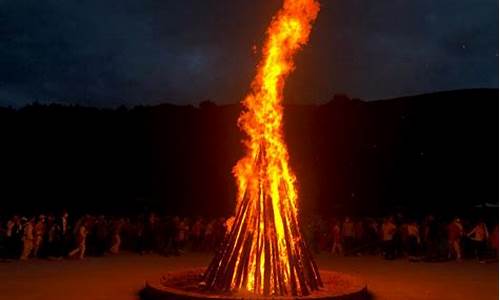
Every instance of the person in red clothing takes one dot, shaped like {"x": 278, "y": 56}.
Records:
{"x": 455, "y": 233}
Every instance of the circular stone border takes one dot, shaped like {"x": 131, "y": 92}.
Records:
{"x": 184, "y": 285}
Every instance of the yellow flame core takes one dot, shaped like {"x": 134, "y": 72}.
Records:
{"x": 271, "y": 242}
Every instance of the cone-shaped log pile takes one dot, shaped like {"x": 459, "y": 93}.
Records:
{"x": 261, "y": 256}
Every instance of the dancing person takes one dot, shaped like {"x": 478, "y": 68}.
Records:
{"x": 27, "y": 239}
{"x": 455, "y": 233}
{"x": 81, "y": 236}
{"x": 66, "y": 234}
{"x": 116, "y": 239}
{"x": 39, "y": 233}
{"x": 479, "y": 236}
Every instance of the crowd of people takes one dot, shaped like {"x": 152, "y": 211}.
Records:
{"x": 56, "y": 237}
{"x": 429, "y": 239}
{"x": 59, "y": 236}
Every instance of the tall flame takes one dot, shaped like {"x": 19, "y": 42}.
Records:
{"x": 263, "y": 114}
{"x": 264, "y": 251}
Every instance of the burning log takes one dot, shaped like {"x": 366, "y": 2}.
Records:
{"x": 252, "y": 256}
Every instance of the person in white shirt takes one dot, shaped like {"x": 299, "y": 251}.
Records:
{"x": 413, "y": 235}
{"x": 388, "y": 231}
{"x": 479, "y": 236}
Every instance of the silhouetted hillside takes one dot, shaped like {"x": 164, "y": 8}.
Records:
{"x": 428, "y": 152}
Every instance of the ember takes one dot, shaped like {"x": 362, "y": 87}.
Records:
{"x": 264, "y": 252}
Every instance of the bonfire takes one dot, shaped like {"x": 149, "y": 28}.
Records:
{"x": 264, "y": 252}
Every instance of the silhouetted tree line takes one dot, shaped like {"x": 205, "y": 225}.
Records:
{"x": 435, "y": 152}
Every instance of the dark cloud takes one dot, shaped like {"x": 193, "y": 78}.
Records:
{"x": 130, "y": 52}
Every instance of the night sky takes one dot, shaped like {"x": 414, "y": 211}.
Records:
{"x": 113, "y": 52}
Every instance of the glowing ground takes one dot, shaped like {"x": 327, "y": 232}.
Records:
{"x": 121, "y": 277}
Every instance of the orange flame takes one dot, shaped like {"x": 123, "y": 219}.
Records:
{"x": 271, "y": 176}
{"x": 263, "y": 251}
{"x": 262, "y": 118}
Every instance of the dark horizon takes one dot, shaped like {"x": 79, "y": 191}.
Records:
{"x": 210, "y": 101}
{"x": 435, "y": 151}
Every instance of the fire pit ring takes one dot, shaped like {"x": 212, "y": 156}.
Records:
{"x": 186, "y": 285}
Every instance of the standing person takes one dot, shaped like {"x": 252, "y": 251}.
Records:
{"x": 39, "y": 233}
{"x": 54, "y": 248}
{"x": 14, "y": 237}
{"x": 309, "y": 235}
{"x": 348, "y": 235}
{"x": 360, "y": 235}
{"x": 101, "y": 235}
{"x": 27, "y": 239}
{"x": 196, "y": 234}
{"x": 388, "y": 231}
{"x": 3, "y": 241}
{"x": 182, "y": 232}
{"x": 208, "y": 239}
{"x": 10, "y": 237}
{"x": 337, "y": 240}
{"x": 171, "y": 236}
{"x": 431, "y": 238}
{"x": 321, "y": 235}
{"x": 455, "y": 233}
{"x": 220, "y": 231}
{"x": 413, "y": 238}
{"x": 479, "y": 236}
{"x": 81, "y": 236}
{"x": 148, "y": 234}
{"x": 373, "y": 236}
{"x": 494, "y": 240}
{"x": 116, "y": 239}
{"x": 65, "y": 233}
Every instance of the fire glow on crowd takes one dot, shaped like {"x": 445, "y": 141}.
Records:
{"x": 264, "y": 252}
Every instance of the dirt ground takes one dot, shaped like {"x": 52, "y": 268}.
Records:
{"x": 121, "y": 277}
